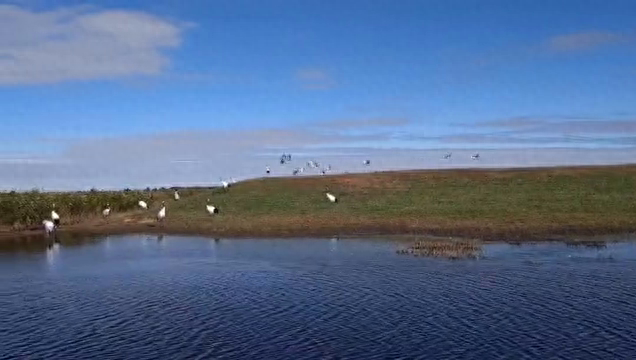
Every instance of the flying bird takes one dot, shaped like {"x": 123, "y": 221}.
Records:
{"x": 448, "y": 155}
{"x": 267, "y": 170}
{"x": 367, "y": 162}
{"x": 475, "y": 156}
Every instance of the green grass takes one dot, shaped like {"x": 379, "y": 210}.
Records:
{"x": 488, "y": 203}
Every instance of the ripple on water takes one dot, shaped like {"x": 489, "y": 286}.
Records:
{"x": 309, "y": 299}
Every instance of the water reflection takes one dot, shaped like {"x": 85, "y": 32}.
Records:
{"x": 52, "y": 250}
{"x": 42, "y": 243}
{"x": 333, "y": 243}
{"x": 315, "y": 299}
{"x": 587, "y": 244}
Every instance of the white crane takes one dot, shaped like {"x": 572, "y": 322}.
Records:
{"x": 331, "y": 197}
{"x": 106, "y": 211}
{"x": 475, "y": 156}
{"x": 162, "y": 212}
{"x": 211, "y": 209}
{"x": 143, "y": 204}
{"x": 55, "y": 217}
{"x": 367, "y": 162}
{"x": 448, "y": 155}
{"x": 224, "y": 183}
{"x": 176, "y": 195}
{"x": 267, "y": 170}
{"x": 49, "y": 227}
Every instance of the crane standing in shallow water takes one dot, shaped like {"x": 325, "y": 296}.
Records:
{"x": 49, "y": 227}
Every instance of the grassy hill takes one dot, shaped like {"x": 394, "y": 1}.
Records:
{"x": 491, "y": 204}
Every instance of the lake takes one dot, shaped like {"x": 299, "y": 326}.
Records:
{"x": 172, "y": 297}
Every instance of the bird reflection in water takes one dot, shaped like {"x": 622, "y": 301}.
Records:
{"x": 52, "y": 249}
{"x": 334, "y": 243}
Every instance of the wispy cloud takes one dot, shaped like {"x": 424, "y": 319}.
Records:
{"x": 536, "y": 140}
{"x": 584, "y": 41}
{"x": 565, "y": 125}
{"x": 82, "y": 43}
{"x": 176, "y": 146}
{"x": 518, "y": 122}
{"x": 342, "y": 124}
{"x": 558, "y": 44}
{"x": 315, "y": 79}
{"x": 537, "y": 130}
{"x": 85, "y": 175}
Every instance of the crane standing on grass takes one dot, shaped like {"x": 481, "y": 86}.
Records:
{"x": 106, "y": 211}
{"x": 331, "y": 197}
{"x": 55, "y": 217}
{"x": 211, "y": 209}
{"x": 161, "y": 215}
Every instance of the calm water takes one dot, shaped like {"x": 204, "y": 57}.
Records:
{"x": 139, "y": 297}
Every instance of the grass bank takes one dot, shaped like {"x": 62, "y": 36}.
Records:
{"x": 515, "y": 204}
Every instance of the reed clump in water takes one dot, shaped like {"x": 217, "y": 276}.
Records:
{"x": 448, "y": 249}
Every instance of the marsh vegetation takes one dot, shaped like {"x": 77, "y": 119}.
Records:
{"x": 515, "y": 205}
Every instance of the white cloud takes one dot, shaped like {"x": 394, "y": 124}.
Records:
{"x": 82, "y": 44}
{"x": 141, "y": 172}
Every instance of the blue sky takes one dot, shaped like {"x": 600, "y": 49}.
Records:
{"x": 238, "y": 79}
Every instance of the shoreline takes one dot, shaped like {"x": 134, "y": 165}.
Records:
{"x": 500, "y": 235}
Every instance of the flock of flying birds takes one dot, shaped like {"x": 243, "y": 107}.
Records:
{"x": 50, "y": 226}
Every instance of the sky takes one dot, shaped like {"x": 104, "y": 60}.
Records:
{"x": 115, "y": 94}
